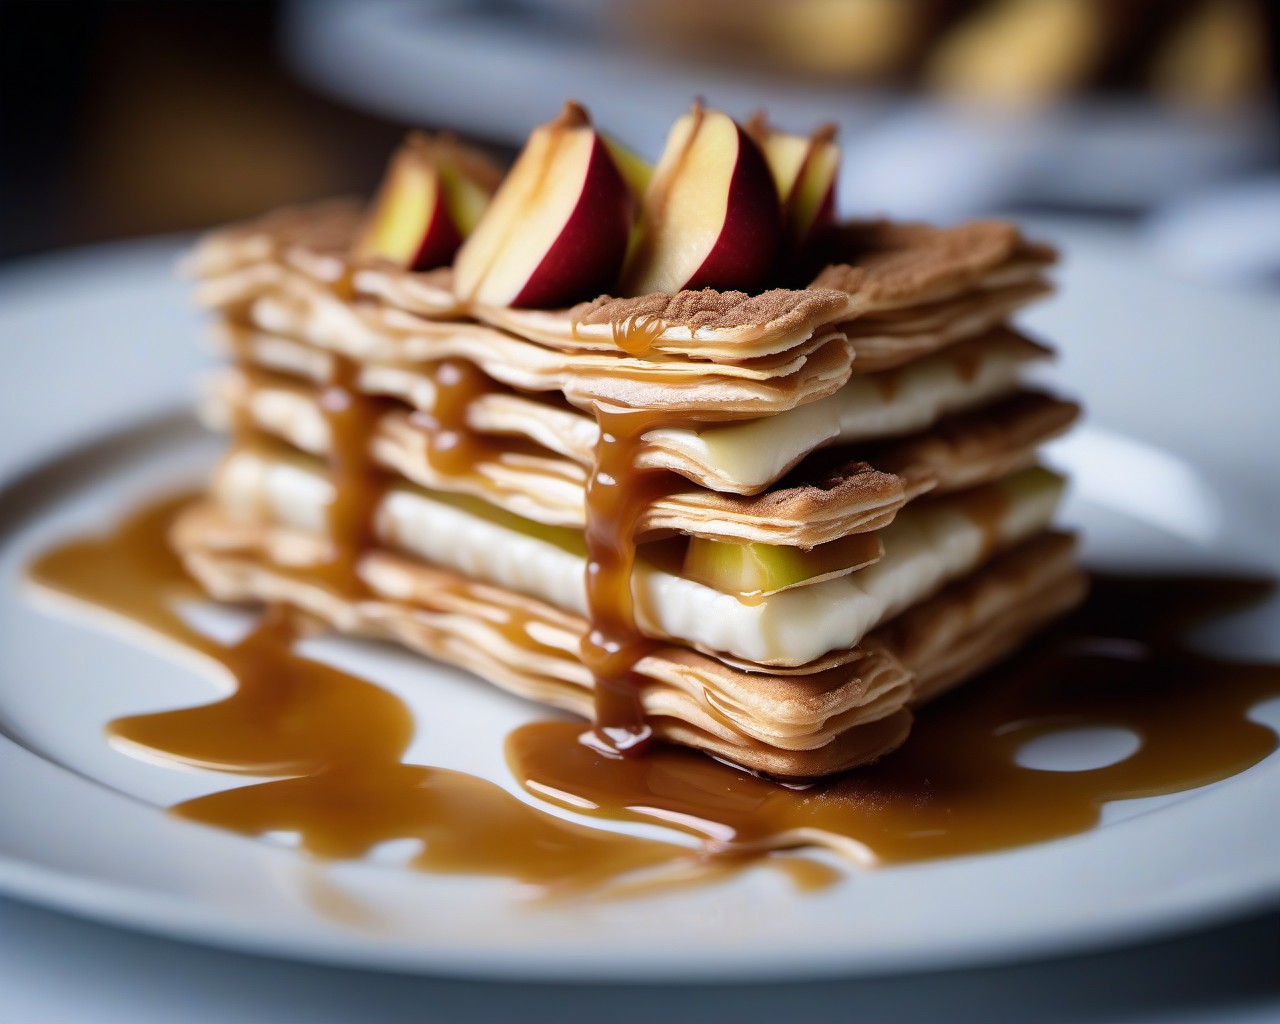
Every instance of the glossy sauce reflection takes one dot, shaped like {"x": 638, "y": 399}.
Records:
{"x": 956, "y": 787}
{"x": 340, "y": 737}
{"x": 617, "y": 496}
{"x": 357, "y": 483}
{"x": 453, "y": 448}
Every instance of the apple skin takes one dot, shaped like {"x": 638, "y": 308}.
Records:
{"x": 586, "y": 257}
{"x": 805, "y": 171}
{"x": 442, "y": 238}
{"x": 412, "y": 221}
{"x": 711, "y": 217}
{"x": 748, "y": 243}
{"x": 810, "y": 209}
{"x": 558, "y": 228}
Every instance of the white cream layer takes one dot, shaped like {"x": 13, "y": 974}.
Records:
{"x": 755, "y": 453}
{"x": 741, "y": 458}
{"x": 926, "y": 546}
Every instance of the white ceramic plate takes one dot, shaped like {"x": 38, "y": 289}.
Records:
{"x": 1174, "y": 470}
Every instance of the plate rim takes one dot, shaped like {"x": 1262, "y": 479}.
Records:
{"x": 85, "y": 895}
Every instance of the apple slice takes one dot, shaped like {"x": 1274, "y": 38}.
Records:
{"x": 558, "y": 228}
{"x": 757, "y": 570}
{"x": 711, "y": 216}
{"x": 636, "y": 171}
{"x": 805, "y": 172}
{"x": 430, "y": 199}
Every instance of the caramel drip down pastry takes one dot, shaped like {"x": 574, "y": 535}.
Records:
{"x": 956, "y": 787}
{"x": 356, "y": 481}
{"x": 338, "y": 739}
{"x": 617, "y": 495}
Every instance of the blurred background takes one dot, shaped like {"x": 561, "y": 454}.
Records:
{"x": 128, "y": 118}
{"x": 1157, "y": 117}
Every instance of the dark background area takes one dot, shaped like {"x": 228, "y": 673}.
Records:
{"x": 132, "y": 118}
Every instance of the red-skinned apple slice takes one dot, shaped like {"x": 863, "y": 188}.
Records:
{"x": 710, "y": 217}
{"x": 558, "y": 228}
{"x": 805, "y": 171}
{"x": 429, "y": 200}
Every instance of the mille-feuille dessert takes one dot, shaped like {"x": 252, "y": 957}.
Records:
{"x": 668, "y": 448}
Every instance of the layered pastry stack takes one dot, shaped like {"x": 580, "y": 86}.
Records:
{"x": 669, "y": 449}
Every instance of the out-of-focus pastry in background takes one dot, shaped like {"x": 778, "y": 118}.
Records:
{"x": 1201, "y": 53}
{"x": 865, "y": 41}
{"x": 1217, "y": 54}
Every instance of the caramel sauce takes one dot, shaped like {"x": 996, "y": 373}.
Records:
{"x": 955, "y": 787}
{"x": 453, "y": 448}
{"x": 636, "y": 335}
{"x": 357, "y": 482}
{"x": 341, "y": 738}
{"x": 617, "y": 495}
{"x": 466, "y": 825}
{"x": 132, "y": 572}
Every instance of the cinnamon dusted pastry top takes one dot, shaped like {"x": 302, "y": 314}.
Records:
{"x": 720, "y": 326}
{"x": 889, "y": 263}
{"x": 888, "y": 267}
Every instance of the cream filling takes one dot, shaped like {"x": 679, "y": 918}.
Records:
{"x": 739, "y": 458}
{"x": 756, "y": 453}
{"x": 926, "y": 546}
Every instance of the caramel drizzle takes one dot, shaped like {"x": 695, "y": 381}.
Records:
{"x": 453, "y": 448}
{"x": 358, "y": 485}
{"x": 637, "y": 334}
{"x": 955, "y": 787}
{"x": 340, "y": 737}
{"x": 342, "y": 740}
{"x": 617, "y": 495}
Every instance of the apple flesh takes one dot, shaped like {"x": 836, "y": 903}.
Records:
{"x": 558, "y": 228}
{"x": 561, "y": 536}
{"x": 757, "y": 570}
{"x": 430, "y": 199}
{"x": 710, "y": 216}
{"x": 805, "y": 171}
{"x": 636, "y": 170}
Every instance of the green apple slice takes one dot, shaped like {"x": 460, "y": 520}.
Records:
{"x": 758, "y": 570}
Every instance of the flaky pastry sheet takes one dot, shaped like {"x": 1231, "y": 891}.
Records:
{"x": 792, "y": 726}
